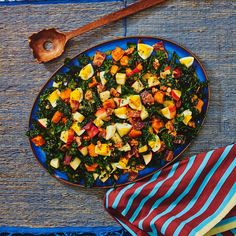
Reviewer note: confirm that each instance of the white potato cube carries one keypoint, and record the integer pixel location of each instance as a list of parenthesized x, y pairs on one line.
[(120, 78), (104, 95)]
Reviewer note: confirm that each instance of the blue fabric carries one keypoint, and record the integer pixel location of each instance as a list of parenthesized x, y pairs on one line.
[(19, 2), (67, 231)]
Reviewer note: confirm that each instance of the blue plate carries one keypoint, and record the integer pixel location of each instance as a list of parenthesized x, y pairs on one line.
[(171, 47)]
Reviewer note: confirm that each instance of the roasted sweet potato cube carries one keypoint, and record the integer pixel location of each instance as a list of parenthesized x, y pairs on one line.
[(157, 124), (65, 94), (114, 69), (109, 104), (124, 61), (91, 150), (93, 83), (38, 141), (135, 133), (159, 97), (57, 117), (117, 53), (199, 105)]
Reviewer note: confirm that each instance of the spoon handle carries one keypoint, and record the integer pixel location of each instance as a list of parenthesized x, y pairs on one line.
[(114, 16)]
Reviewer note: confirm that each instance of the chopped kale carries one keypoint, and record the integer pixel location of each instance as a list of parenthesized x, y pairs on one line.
[(83, 59)]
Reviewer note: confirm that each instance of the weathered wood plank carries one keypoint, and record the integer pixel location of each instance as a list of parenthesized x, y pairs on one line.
[(28, 195)]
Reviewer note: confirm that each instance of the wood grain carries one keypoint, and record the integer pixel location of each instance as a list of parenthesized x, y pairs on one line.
[(114, 16), (28, 195)]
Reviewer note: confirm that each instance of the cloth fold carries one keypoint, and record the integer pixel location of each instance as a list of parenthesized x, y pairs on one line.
[(195, 196)]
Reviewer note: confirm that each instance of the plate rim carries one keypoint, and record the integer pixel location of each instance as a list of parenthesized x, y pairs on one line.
[(67, 182)]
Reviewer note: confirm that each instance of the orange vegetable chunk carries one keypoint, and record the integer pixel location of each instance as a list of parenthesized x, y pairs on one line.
[(117, 53), (199, 105), (57, 117), (124, 61), (65, 94), (91, 150), (38, 141), (159, 97), (92, 167), (135, 133), (114, 69)]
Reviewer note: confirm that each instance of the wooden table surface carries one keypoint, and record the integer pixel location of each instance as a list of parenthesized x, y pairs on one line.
[(28, 195)]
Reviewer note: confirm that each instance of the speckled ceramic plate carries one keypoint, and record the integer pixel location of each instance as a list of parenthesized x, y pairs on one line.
[(171, 47)]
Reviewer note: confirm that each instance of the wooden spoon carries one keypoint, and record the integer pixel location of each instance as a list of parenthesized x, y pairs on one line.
[(49, 44)]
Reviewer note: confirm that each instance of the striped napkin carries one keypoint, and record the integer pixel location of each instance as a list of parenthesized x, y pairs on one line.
[(196, 196)]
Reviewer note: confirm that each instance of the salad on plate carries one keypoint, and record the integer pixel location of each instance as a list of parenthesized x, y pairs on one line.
[(118, 112)]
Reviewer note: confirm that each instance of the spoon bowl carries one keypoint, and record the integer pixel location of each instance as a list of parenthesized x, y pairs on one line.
[(47, 44)]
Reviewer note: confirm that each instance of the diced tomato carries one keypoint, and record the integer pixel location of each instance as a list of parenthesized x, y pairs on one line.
[(67, 160), (176, 94), (167, 68), (177, 72), (57, 117), (38, 141), (128, 72), (88, 126), (92, 167), (172, 108), (91, 129), (135, 70)]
